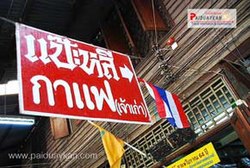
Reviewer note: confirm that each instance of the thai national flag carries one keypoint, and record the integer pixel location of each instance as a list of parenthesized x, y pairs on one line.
[(168, 106)]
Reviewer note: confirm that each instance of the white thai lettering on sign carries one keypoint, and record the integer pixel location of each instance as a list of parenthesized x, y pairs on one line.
[(101, 96), (51, 50)]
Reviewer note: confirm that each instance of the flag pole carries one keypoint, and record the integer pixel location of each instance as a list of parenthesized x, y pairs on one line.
[(137, 150), (91, 123), (130, 146)]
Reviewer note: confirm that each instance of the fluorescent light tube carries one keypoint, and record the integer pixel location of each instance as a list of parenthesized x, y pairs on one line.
[(16, 120), (9, 88)]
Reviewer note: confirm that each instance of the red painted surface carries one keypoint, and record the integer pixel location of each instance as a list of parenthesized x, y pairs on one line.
[(61, 77)]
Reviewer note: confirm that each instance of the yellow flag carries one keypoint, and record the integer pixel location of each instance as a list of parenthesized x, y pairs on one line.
[(113, 147)]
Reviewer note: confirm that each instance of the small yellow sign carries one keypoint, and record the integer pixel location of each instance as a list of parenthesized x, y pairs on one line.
[(203, 157)]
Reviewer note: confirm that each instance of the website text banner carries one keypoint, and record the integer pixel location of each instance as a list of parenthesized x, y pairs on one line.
[(212, 18), (62, 77), (203, 157)]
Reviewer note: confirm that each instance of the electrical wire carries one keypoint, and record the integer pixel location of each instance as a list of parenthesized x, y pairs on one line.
[(236, 47), (11, 6), (197, 70), (155, 30)]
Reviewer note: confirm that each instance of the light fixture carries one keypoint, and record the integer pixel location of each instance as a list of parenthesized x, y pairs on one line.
[(9, 88), (16, 120), (172, 43)]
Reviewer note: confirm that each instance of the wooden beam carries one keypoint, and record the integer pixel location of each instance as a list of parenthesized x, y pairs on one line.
[(144, 13), (240, 77), (59, 127), (241, 124), (114, 36)]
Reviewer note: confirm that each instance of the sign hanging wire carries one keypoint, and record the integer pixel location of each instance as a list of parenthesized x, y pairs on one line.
[(7, 20)]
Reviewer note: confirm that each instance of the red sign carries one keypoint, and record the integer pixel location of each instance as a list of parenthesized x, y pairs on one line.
[(62, 77)]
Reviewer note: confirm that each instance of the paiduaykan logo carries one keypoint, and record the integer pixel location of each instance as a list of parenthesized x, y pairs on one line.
[(211, 18)]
